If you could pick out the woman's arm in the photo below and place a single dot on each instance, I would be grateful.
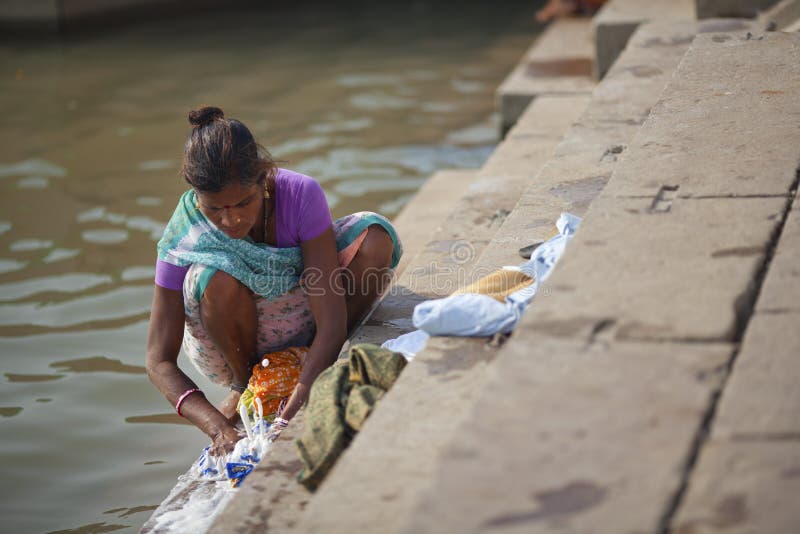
(323, 285)
(164, 339)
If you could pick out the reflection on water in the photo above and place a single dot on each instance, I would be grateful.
(14, 377)
(370, 100)
(96, 365)
(9, 411)
(160, 418)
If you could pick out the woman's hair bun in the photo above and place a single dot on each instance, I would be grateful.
(204, 115)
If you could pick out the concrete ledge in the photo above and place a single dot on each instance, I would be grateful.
(782, 15)
(451, 252)
(690, 218)
(567, 437)
(592, 148)
(606, 429)
(558, 63)
(743, 488)
(428, 208)
(749, 471)
(618, 19)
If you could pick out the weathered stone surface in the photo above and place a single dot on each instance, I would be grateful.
(725, 126)
(376, 482)
(684, 274)
(689, 256)
(748, 473)
(571, 437)
(591, 149)
(427, 209)
(761, 401)
(793, 27)
(450, 255)
(558, 63)
(781, 15)
(270, 499)
(740, 488)
(618, 19)
(781, 290)
(730, 8)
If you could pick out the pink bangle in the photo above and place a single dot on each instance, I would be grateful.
(183, 398)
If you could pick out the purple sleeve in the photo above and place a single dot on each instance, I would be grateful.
(170, 276)
(314, 214)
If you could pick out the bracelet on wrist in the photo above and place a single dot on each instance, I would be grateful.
(238, 389)
(183, 397)
(280, 421)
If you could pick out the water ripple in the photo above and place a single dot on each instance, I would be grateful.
(35, 166)
(71, 283)
(116, 304)
(30, 244)
(97, 364)
(105, 236)
(7, 266)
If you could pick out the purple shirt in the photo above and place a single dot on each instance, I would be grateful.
(301, 213)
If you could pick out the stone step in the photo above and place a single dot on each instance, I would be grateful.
(793, 27)
(618, 19)
(393, 467)
(376, 467)
(453, 249)
(584, 161)
(427, 209)
(272, 499)
(715, 163)
(600, 397)
(748, 474)
(782, 15)
(558, 63)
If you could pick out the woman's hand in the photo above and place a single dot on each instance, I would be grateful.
(224, 441)
(296, 401)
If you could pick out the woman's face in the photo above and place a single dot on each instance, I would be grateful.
(235, 210)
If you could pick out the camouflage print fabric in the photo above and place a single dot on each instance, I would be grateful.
(340, 401)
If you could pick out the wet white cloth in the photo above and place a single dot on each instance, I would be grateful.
(480, 315)
(408, 344)
(247, 453)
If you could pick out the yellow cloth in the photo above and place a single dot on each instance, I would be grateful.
(498, 284)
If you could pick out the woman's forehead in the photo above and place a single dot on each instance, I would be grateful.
(230, 195)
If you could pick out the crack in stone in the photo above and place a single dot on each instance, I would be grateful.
(745, 309)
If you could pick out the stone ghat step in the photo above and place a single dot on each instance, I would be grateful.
(450, 254)
(272, 500)
(559, 62)
(618, 19)
(782, 16)
(591, 150)
(389, 470)
(603, 396)
(427, 209)
(748, 473)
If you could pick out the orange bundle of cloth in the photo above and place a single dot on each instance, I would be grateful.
(273, 380)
